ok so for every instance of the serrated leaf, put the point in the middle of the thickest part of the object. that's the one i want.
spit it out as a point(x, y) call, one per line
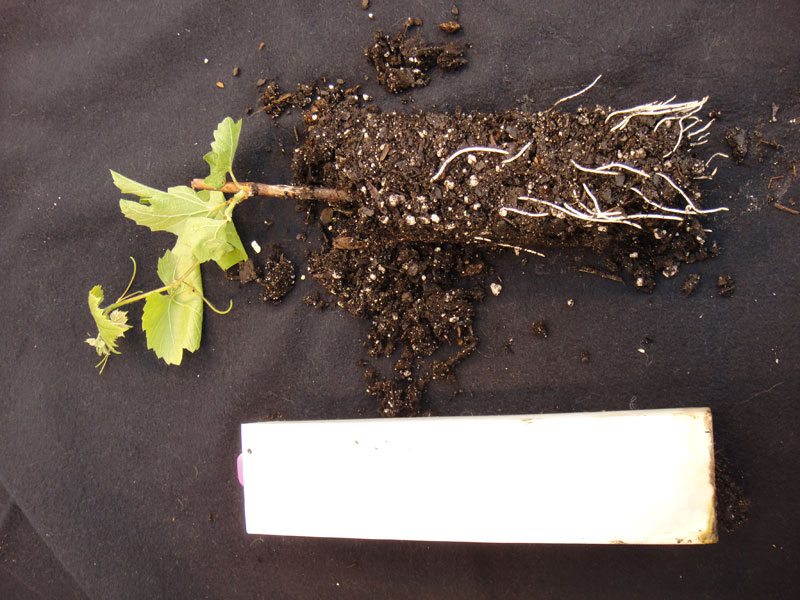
point(199, 219)
point(165, 211)
point(223, 148)
point(211, 239)
point(173, 320)
point(110, 327)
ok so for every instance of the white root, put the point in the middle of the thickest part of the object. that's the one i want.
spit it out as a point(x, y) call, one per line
point(683, 113)
point(603, 217)
point(616, 165)
point(598, 210)
point(458, 153)
point(576, 94)
point(715, 155)
point(597, 171)
point(702, 129)
point(504, 210)
point(688, 200)
point(673, 110)
point(517, 155)
point(502, 245)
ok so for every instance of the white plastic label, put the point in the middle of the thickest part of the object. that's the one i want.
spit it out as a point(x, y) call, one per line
point(636, 477)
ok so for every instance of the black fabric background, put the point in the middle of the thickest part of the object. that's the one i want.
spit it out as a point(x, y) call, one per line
point(124, 485)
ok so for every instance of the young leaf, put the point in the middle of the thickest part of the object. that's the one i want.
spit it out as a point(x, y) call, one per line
point(164, 211)
point(173, 320)
point(220, 159)
point(212, 239)
point(199, 219)
point(110, 327)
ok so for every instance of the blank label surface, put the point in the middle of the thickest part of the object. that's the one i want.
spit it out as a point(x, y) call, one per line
point(636, 477)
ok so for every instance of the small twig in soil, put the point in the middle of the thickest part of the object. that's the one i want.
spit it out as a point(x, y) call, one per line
point(603, 274)
point(780, 206)
point(772, 144)
point(771, 179)
point(762, 392)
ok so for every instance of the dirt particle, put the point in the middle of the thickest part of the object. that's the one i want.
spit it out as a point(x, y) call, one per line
point(396, 398)
point(243, 272)
point(403, 62)
point(236, 71)
point(261, 45)
point(364, 4)
point(315, 301)
point(247, 271)
point(450, 27)
point(736, 138)
point(539, 328)
point(418, 286)
point(690, 284)
point(725, 286)
point(585, 356)
point(732, 505)
point(277, 277)
point(220, 85)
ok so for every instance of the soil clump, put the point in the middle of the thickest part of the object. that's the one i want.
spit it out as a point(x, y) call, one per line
point(403, 62)
point(431, 194)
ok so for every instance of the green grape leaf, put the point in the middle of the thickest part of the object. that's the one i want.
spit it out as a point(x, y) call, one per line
point(199, 219)
point(220, 159)
point(165, 211)
point(110, 327)
point(213, 239)
point(173, 320)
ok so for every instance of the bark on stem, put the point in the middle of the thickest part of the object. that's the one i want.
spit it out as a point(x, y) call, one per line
point(299, 192)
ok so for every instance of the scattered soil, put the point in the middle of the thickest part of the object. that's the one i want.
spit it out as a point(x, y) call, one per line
point(732, 505)
point(276, 276)
point(245, 272)
point(408, 251)
point(725, 286)
point(385, 162)
point(539, 328)
point(450, 26)
point(314, 300)
point(403, 62)
point(736, 138)
point(690, 284)
point(275, 101)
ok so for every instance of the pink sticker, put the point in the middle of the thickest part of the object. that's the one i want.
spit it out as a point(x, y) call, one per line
point(239, 463)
